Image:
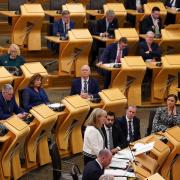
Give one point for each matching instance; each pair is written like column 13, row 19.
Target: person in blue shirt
column 8, row 105
column 34, row 94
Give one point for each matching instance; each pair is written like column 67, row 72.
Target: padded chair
column 93, row 4
column 57, row 4
column 151, row 117
column 15, row 5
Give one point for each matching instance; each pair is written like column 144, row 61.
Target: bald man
column 94, row 169
column 85, row 86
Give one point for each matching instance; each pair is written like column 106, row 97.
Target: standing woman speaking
column 93, row 137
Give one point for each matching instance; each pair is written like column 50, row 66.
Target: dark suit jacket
column 7, row 108
column 118, row 137
column 136, row 123
column 156, row 52
column 59, row 28
column 92, row 171
column 131, row 4
column 177, row 4
column 101, row 26
column 110, row 52
column 93, row 87
column 147, row 23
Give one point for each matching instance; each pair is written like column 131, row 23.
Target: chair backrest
column 93, row 4
column 150, row 123
column 14, row 5
column 57, row 4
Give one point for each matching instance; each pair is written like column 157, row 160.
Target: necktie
column 118, row 58
column 130, row 131
column 171, row 2
column 65, row 28
column 110, row 139
column 85, row 86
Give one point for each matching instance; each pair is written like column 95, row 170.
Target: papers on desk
column 124, row 154
column 119, row 172
column 119, row 163
column 111, row 65
column 142, row 148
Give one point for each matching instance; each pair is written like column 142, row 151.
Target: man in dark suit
column 62, row 26
column 85, row 86
column 148, row 49
column 8, row 105
column 114, row 138
column 174, row 4
column 152, row 22
column 135, row 5
column 130, row 125
column 113, row 54
column 94, row 169
column 107, row 25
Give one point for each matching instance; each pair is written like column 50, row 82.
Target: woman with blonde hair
column 93, row 137
column 12, row 58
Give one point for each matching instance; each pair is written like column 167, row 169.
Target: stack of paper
column 119, row 163
column 119, row 172
column 124, row 154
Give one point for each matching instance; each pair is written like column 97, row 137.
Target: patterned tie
column 131, row 138
column 110, row 139
column 85, row 86
column 118, row 58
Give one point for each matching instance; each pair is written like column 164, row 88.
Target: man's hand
column 85, row 95
column 114, row 151
column 22, row 115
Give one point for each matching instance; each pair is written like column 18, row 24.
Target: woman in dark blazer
column 34, row 94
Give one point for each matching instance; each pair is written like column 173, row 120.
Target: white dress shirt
column 118, row 49
column 138, row 3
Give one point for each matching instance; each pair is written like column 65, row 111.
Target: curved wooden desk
column 130, row 77
column 36, row 149
column 10, row 150
column 166, row 80
column 27, row 29
column 68, row 131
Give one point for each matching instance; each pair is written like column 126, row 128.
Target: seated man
column 62, row 26
column 152, row 22
column 130, row 125
column 94, row 169
column 113, row 54
column 8, row 104
column 113, row 135
column 85, row 86
column 13, row 58
column 107, row 25
column 174, row 4
column 135, row 5
column 148, row 49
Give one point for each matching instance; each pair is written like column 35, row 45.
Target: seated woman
column 13, row 58
column 168, row 116
column 34, row 94
column 93, row 137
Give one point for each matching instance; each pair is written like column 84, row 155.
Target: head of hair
column 174, row 96
column 65, row 12
column 7, row 87
column 123, row 40
column 110, row 12
column 104, row 153
column 94, row 116
column 150, row 33
column 86, row 66
column 110, row 113
column 131, row 106
column 106, row 177
column 155, row 9
column 15, row 47
column 33, row 78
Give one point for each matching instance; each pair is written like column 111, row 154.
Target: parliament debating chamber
column 90, row 89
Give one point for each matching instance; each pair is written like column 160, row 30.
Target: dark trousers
column 107, row 79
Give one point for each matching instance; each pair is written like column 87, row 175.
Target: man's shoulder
column 76, row 80
column 4, row 56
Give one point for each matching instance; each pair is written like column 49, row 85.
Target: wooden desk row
column 130, row 76
column 26, row 28
column 33, row 138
